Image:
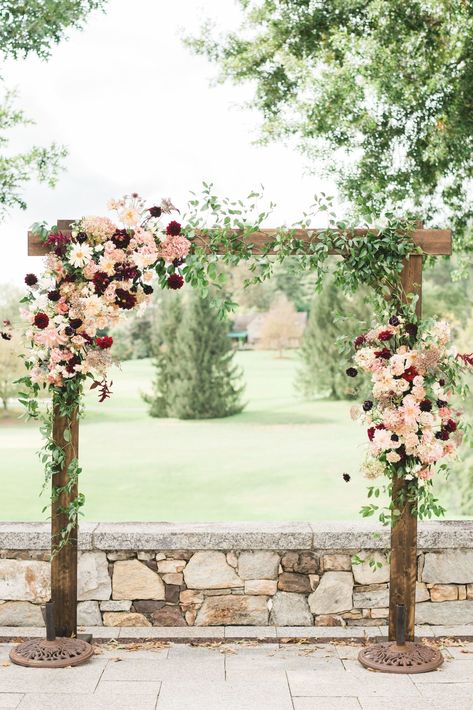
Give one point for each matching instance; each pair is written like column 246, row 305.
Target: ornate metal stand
column 400, row 656
column 51, row 652
column 411, row 657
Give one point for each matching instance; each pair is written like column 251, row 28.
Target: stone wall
column 287, row 574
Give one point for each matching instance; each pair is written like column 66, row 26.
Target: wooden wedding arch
column 403, row 558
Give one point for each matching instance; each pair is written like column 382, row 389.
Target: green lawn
column 280, row 459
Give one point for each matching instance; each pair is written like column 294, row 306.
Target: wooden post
column 64, row 562
column 404, row 530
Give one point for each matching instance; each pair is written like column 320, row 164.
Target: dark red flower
column 155, row 211
column 31, row 279
column 425, row 405
column 59, row 241
column 125, row 299
column 411, row 329
column 41, row 320
column 443, row 434
column 5, row 336
column 173, row 228
column 394, row 320
column 54, row 295
column 346, row 477
column 101, row 281
column 81, row 237
column 68, row 330
column 125, row 272
column 147, row 289
column 359, row 340
column 451, row 426
column 385, row 335
column 121, row 238
column 75, row 323
column 175, row 281
column 371, row 432
column 105, row 342
column 409, row 374
column 441, row 403
column 384, row 354
column 367, row 405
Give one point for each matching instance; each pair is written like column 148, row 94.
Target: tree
column 281, row 328
column 196, row 377
column 382, row 89
column 11, row 368
column 332, row 317
column 11, row 365
column 31, row 28
column 165, row 360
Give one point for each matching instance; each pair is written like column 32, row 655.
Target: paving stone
column 10, row 700
column 210, row 668
column 232, row 632
column 319, row 683
column 290, row 610
column 339, row 703
column 93, row 579
column 210, row 570
column 162, row 632
column 259, row 694
column 260, row 564
column 128, row 687
column 78, row 680
column 117, row 701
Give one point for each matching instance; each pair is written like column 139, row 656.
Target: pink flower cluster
column 410, row 422
column 93, row 274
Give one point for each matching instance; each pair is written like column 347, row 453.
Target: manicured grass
column 280, row 459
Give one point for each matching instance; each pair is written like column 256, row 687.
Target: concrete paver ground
column 236, row 675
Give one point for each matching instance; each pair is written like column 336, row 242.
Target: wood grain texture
column 64, row 563
column 432, row 241
column 403, row 563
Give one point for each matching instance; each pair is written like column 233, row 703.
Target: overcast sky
column 136, row 110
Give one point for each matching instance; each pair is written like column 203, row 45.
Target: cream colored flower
column 130, row 216
column 80, row 254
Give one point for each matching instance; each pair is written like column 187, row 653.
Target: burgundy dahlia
column 125, row 299
column 451, row 426
column 384, row 354
column 54, row 295
column 105, row 342
column 31, row 279
column 351, row 371
column 411, row 329
column 385, row 335
column 425, row 405
column 441, row 403
column 409, row 374
column 81, row 237
column 371, row 432
column 147, row 289
column 121, row 238
column 394, row 320
column 155, row 211
column 367, row 405
column 41, row 320
column 443, row 434
column 173, row 228
column 175, row 281
column 75, row 323
column 124, row 272
column 359, row 340
column 68, row 330
column 101, row 281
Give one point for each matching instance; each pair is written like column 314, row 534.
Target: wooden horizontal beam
column 435, row 242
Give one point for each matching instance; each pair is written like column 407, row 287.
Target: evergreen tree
column 323, row 367
column 165, row 361
column 209, row 384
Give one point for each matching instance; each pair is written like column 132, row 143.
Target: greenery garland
column 373, row 262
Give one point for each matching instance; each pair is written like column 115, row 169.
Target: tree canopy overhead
column 383, row 89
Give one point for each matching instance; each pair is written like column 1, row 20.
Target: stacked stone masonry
column 161, row 574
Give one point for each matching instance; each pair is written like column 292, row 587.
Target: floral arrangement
column 93, row 274
column 411, row 424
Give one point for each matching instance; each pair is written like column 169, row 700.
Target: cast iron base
column 62, row 652
column 389, row 657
